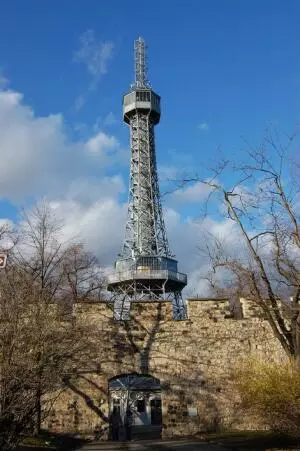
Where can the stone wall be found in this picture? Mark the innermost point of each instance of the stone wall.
(193, 359)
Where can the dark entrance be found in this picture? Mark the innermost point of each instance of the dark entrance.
(156, 414)
(142, 395)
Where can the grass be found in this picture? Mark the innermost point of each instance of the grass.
(46, 441)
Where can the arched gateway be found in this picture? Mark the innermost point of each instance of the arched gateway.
(142, 395)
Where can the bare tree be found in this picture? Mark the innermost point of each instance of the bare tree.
(262, 261)
(83, 278)
(40, 347)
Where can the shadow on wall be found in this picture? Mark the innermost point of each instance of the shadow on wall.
(145, 345)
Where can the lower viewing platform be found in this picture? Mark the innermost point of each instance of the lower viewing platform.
(143, 274)
(148, 270)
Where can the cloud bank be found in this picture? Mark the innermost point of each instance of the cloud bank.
(83, 182)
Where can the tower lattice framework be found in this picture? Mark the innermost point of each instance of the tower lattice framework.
(145, 270)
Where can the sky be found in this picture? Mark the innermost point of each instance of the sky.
(225, 70)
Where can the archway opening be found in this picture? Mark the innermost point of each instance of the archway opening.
(141, 394)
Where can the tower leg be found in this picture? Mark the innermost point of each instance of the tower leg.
(121, 302)
(179, 307)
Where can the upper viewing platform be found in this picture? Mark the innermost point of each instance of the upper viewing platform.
(141, 100)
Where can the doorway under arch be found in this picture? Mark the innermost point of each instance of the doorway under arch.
(141, 393)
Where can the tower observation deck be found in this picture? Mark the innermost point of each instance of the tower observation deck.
(145, 270)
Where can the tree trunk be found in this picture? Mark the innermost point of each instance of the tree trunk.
(38, 412)
(38, 404)
(297, 341)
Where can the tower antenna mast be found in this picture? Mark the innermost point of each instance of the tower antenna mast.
(141, 64)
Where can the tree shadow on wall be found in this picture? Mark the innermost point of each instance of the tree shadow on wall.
(181, 386)
(100, 431)
(143, 346)
(126, 339)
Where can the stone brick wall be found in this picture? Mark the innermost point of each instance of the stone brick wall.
(193, 359)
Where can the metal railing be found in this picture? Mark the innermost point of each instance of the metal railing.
(146, 274)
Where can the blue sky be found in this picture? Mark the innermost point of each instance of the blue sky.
(224, 69)
(233, 64)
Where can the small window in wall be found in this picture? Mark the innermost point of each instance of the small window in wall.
(117, 405)
(156, 412)
(143, 96)
(155, 99)
(140, 405)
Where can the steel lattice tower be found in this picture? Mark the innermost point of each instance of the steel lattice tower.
(145, 269)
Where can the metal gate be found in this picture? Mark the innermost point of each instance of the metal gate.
(139, 393)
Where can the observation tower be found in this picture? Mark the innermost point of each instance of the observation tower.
(145, 270)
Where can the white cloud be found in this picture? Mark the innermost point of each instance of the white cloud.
(99, 225)
(87, 191)
(187, 236)
(95, 55)
(167, 173)
(204, 127)
(101, 142)
(3, 80)
(79, 102)
(194, 193)
(110, 119)
(38, 157)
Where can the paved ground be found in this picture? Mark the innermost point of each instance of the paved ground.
(182, 445)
